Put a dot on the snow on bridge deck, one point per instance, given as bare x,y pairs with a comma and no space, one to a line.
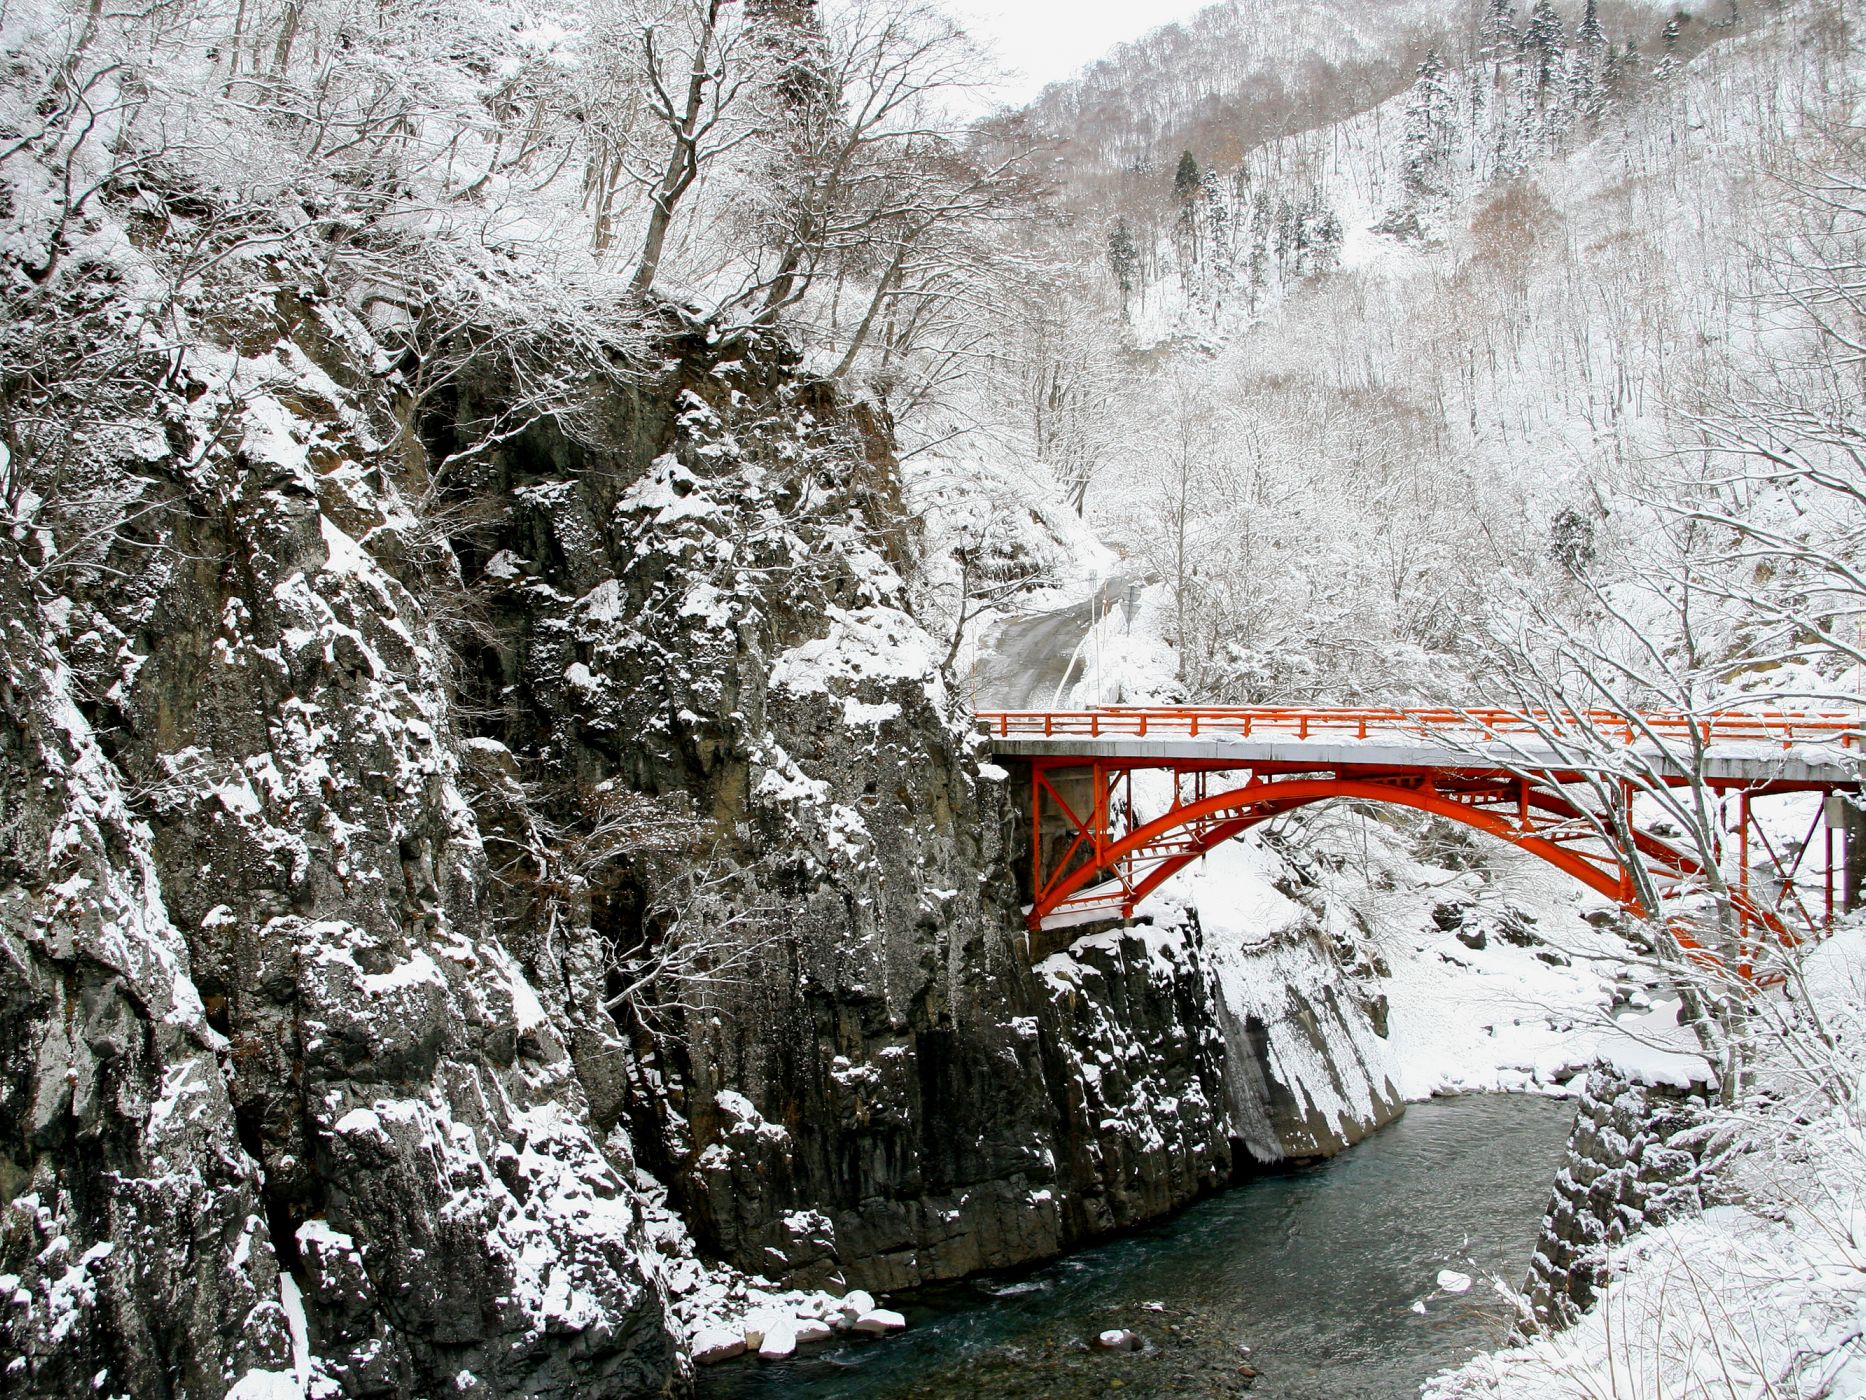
1739,747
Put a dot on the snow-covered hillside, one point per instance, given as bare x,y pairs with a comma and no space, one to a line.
503,511
1531,380
1371,386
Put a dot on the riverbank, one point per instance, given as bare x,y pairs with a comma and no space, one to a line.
1330,1274
1763,1291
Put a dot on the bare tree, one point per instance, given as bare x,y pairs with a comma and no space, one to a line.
695,66
975,593
872,198
1625,686
700,938
1066,376
833,180
1780,463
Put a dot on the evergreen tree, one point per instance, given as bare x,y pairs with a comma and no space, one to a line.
1219,257
1186,178
1624,71
1217,215
1588,74
1259,236
788,35
1124,258
1670,63
1545,43
1318,234
1330,235
1497,36
1520,139
1285,230
1592,37
1430,112
1571,540
1188,188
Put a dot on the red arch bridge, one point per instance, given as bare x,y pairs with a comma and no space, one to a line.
1572,788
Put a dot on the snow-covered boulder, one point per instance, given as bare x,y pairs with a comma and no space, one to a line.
878,1322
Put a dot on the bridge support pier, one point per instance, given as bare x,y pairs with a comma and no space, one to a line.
1845,815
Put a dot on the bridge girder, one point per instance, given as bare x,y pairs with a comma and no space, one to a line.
1110,860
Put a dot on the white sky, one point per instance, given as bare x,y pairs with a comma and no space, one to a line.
1044,40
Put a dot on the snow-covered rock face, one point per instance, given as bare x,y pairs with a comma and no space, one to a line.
133,1247
1640,1154
333,830
259,1014
377,884
870,1087
1133,1044
389,1064
1309,1069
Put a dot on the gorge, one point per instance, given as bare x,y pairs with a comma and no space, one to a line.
507,513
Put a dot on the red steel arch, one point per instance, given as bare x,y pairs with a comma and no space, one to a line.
1538,820
1258,801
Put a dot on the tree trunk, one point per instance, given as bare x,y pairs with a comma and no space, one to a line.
683,163
882,289
288,35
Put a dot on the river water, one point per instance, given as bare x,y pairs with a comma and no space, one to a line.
1316,1270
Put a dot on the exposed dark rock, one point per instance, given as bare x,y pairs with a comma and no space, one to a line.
133,1249
1517,927
710,608
380,888
1474,926
1638,1155
261,1013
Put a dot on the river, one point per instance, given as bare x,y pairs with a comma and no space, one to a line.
1317,1270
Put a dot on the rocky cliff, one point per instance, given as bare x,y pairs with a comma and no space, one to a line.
430,817
1639,1154
263,1016
840,1057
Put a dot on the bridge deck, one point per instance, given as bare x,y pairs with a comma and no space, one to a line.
1779,751
1803,764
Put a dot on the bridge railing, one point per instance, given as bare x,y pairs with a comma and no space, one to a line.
1831,727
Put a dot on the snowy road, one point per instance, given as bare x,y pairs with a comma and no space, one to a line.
1028,658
